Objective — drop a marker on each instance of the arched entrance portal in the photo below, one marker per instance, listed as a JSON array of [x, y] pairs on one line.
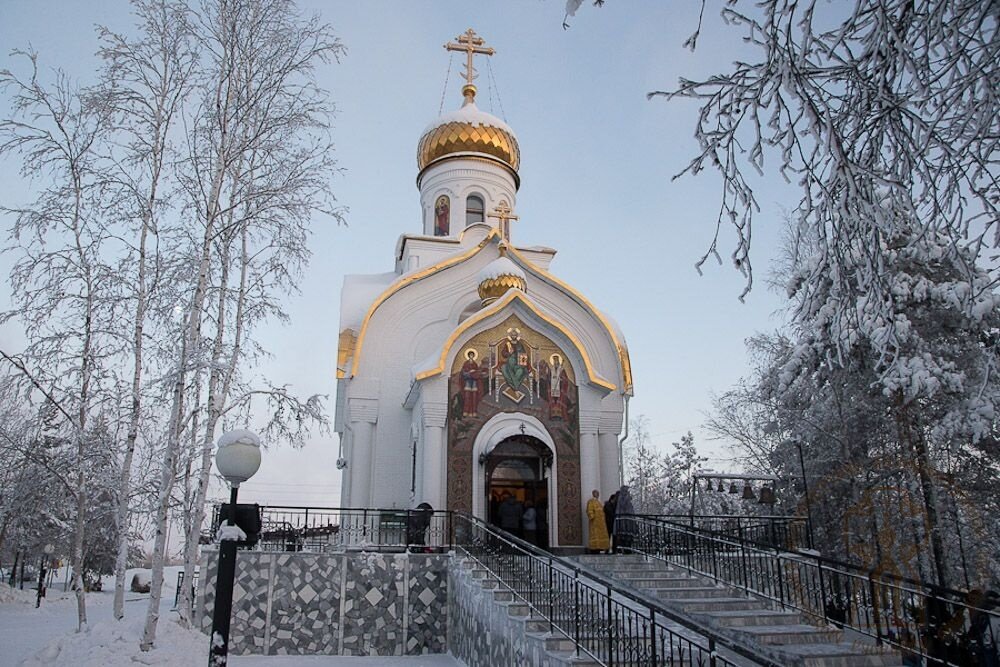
[[519, 466]]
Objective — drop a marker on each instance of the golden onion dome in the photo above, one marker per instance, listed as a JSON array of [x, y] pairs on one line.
[[468, 131], [499, 276]]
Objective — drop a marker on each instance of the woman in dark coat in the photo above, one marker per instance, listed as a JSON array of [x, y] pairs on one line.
[[626, 530], [609, 516]]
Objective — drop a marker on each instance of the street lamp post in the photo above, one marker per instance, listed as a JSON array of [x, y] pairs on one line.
[[237, 458]]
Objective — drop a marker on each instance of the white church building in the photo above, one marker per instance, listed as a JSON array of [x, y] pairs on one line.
[[470, 370]]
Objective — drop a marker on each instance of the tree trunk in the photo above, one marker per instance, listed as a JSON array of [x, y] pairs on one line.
[[124, 485]]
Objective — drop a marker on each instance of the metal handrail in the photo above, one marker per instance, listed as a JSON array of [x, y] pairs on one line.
[[920, 619], [789, 532], [607, 621]]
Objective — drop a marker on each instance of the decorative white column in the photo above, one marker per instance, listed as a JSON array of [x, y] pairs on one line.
[[590, 474], [434, 455], [609, 463], [611, 425], [362, 414]]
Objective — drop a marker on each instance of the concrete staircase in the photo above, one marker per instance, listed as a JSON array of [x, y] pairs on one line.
[[783, 634], [542, 647]]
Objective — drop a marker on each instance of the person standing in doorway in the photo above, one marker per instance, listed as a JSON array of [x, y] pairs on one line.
[[510, 514], [529, 522], [599, 541]]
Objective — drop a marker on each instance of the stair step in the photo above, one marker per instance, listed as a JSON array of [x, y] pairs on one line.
[[663, 582], [843, 655], [721, 604], [740, 618], [792, 634], [698, 592]]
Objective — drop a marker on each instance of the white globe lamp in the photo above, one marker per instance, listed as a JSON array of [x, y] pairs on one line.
[[238, 456]]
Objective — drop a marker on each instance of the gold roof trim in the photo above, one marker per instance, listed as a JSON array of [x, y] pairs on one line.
[[619, 345], [527, 265], [411, 278], [345, 350], [498, 306]]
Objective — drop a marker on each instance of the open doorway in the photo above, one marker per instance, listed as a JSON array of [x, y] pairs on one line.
[[518, 466]]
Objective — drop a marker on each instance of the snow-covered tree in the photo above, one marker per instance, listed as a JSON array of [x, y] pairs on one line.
[[884, 113], [895, 445], [61, 281]]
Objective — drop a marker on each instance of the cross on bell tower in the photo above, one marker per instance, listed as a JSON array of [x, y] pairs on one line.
[[471, 43], [503, 213]]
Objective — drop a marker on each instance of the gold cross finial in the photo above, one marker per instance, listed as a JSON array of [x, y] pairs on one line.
[[471, 43], [503, 214]]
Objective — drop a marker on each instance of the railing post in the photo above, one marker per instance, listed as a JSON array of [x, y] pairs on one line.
[[822, 591], [781, 579], [611, 633], [652, 634], [552, 598], [876, 609], [576, 610]]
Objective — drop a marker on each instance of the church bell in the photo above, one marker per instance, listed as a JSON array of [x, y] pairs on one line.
[[766, 496], [748, 493]]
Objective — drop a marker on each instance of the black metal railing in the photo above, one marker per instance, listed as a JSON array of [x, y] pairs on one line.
[[610, 624], [335, 529], [779, 532], [923, 621]]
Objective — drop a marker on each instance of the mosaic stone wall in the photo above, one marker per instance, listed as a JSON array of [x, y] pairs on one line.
[[333, 604]]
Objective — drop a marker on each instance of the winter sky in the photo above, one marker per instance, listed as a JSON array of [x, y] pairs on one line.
[[597, 162]]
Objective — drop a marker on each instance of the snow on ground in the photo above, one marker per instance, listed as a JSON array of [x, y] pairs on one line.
[[47, 636]]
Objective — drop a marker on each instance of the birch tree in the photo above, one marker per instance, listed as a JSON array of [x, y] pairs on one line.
[[147, 80], [58, 280], [259, 102]]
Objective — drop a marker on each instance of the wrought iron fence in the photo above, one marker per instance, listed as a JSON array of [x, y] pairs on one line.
[[925, 622], [779, 532], [335, 529], [612, 625]]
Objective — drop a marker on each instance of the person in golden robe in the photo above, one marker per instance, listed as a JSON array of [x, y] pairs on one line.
[[599, 540]]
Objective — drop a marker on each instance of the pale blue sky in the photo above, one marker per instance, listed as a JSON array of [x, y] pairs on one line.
[[597, 159]]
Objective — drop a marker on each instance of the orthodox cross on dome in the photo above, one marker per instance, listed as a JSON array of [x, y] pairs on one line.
[[471, 43], [504, 215]]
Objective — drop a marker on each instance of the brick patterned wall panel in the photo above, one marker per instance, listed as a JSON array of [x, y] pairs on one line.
[[305, 604], [248, 626], [295, 603], [427, 605], [374, 605], [206, 588]]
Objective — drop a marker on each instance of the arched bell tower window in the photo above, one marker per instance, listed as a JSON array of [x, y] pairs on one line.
[[475, 210]]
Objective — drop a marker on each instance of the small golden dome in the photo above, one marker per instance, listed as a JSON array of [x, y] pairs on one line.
[[499, 276], [468, 130]]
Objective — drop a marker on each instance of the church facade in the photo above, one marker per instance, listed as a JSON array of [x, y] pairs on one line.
[[470, 370]]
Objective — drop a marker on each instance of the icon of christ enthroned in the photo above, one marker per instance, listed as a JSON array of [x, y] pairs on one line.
[[514, 368]]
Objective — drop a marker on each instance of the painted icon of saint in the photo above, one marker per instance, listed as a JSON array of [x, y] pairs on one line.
[[442, 216], [471, 387], [558, 389]]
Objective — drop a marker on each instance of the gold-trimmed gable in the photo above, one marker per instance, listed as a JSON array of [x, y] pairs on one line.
[[496, 307], [528, 266], [407, 280]]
